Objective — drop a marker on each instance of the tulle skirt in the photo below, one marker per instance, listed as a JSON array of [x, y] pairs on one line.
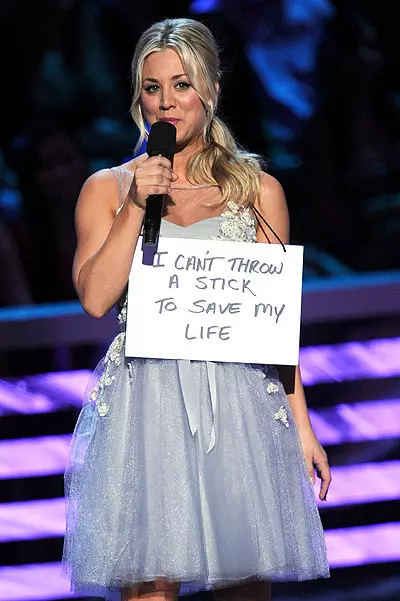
[[192, 471]]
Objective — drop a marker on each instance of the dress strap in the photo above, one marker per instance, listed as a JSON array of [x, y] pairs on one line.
[[119, 175]]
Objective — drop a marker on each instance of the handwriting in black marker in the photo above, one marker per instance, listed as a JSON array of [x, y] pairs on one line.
[[196, 263], [157, 255], [207, 332], [204, 283], [166, 303], [202, 306], [240, 264], [268, 308], [173, 281]]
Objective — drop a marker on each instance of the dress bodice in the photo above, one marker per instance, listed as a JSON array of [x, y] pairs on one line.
[[235, 223], [205, 229]]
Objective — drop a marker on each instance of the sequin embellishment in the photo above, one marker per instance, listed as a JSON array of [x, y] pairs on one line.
[[102, 409], [281, 416], [272, 387], [238, 224], [112, 360], [122, 313]]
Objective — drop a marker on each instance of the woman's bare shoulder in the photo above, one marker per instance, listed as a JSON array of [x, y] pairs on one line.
[[102, 187], [101, 183], [271, 193], [99, 191], [272, 205], [269, 184]]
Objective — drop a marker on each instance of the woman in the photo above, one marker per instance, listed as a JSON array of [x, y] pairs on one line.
[[152, 506]]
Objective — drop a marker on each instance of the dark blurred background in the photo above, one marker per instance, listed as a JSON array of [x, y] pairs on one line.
[[313, 86]]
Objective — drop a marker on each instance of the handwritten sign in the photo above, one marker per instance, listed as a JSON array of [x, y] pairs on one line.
[[216, 301]]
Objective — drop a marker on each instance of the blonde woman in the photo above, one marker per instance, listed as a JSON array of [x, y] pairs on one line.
[[155, 508]]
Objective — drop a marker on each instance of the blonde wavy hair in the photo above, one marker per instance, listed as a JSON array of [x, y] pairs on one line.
[[220, 162]]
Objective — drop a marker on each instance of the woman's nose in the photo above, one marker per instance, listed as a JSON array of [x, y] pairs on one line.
[[167, 100]]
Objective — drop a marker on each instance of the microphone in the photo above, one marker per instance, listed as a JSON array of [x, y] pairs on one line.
[[162, 141]]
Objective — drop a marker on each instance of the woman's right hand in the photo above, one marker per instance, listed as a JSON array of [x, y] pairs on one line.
[[152, 176]]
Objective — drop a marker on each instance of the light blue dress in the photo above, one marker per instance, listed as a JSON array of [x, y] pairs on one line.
[[188, 470]]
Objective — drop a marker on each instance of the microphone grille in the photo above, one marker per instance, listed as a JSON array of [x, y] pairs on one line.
[[162, 140]]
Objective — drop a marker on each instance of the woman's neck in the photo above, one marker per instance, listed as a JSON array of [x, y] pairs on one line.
[[182, 158]]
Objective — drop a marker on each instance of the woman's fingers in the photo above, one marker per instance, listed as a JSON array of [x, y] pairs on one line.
[[324, 473], [316, 459], [152, 176], [152, 173], [310, 468], [158, 160]]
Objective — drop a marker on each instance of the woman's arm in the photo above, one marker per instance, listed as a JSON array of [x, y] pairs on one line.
[[106, 242], [316, 457], [272, 205]]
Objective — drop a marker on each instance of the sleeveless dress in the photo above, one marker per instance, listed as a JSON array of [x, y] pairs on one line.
[[188, 470]]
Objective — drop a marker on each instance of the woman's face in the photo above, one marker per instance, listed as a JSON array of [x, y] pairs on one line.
[[167, 95]]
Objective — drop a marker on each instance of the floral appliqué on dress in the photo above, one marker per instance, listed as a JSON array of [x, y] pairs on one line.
[[122, 312], [272, 387], [238, 224], [112, 360], [281, 416]]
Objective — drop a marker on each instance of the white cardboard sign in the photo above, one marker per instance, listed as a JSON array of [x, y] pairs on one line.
[[216, 301]]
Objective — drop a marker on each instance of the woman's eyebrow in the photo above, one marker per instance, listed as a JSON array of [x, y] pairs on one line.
[[153, 80]]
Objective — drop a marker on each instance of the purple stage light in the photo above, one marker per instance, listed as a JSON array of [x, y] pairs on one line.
[[62, 383], [35, 582], [357, 422], [350, 361], [44, 393], [16, 398], [31, 520], [379, 543], [30, 457], [351, 484]]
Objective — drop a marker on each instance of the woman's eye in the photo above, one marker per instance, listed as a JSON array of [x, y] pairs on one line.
[[183, 85], [151, 89]]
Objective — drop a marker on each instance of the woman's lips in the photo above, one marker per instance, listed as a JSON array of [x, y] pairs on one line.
[[171, 120]]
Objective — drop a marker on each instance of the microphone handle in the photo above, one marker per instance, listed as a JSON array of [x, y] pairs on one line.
[[152, 219]]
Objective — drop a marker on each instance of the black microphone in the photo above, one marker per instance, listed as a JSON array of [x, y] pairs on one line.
[[162, 141]]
